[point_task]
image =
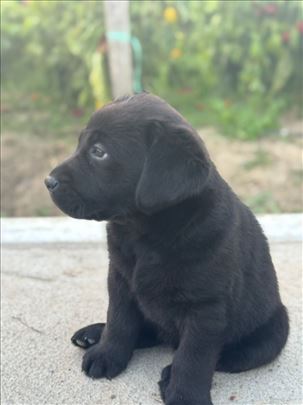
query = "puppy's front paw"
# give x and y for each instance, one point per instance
(174, 395)
(98, 362)
(88, 336)
(182, 401)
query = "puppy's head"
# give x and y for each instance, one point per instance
(136, 154)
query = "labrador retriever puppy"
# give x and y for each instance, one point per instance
(189, 265)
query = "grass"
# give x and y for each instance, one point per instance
(297, 176)
(263, 202)
(242, 119)
(41, 117)
(42, 212)
(246, 119)
(261, 158)
(51, 121)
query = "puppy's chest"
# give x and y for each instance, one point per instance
(144, 270)
(157, 285)
(156, 279)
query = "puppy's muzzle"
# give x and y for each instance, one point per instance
(51, 183)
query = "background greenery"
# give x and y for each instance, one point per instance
(232, 64)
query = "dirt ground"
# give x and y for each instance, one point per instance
(266, 174)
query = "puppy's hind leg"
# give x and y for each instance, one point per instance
(259, 348)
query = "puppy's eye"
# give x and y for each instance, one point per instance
(98, 152)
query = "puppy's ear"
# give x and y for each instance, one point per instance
(176, 167)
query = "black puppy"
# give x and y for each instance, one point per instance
(189, 264)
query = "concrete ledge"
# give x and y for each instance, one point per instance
(51, 288)
(51, 230)
(278, 228)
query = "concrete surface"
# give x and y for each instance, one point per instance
(64, 229)
(49, 290)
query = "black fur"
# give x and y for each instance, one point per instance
(189, 264)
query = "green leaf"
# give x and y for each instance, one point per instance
(282, 72)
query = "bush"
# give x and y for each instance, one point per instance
(51, 47)
(233, 64)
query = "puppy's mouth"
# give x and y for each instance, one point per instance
(99, 216)
(71, 204)
(72, 207)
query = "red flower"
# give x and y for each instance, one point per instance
(285, 37)
(35, 96)
(200, 106)
(77, 112)
(185, 90)
(300, 26)
(270, 9)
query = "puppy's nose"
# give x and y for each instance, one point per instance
(51, 183)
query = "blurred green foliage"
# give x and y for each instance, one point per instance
(49, 49)
(234, 64)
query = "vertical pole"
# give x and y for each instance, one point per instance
(119, 48)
